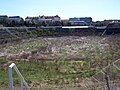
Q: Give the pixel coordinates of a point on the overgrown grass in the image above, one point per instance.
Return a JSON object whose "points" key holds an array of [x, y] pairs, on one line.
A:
{"points": [[97, 53], [64, 72], [49, 71]]}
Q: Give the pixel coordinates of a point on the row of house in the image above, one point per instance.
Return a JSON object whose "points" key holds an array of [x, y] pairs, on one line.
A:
{"points": [[112, 21], [72, 21], [81, 21], [43, 18], [10, 17], [84, 20]]}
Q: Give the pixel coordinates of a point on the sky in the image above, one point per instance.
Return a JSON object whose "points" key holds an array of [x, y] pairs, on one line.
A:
{"points": [[97, 9]]}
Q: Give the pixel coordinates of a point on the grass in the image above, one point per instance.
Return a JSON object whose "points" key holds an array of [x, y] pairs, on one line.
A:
{"points": [[24, 46], [48, 70], [50, 73], [61, 71]]}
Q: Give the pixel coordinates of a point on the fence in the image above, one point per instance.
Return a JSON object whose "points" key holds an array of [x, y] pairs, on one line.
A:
{"points": [[19, 74], [106, 79]]}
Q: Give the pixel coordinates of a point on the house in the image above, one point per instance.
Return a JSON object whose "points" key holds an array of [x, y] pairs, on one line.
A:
{"points": [[80, 21], [3, 16], [3, 20], [31, 18], [111, 21], [44, 18], [15, 18], [87, 20]]}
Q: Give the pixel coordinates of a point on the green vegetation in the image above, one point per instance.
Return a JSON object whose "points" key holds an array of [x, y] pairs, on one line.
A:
{"points": [[69, 59], [64, 72], [48, 70]]}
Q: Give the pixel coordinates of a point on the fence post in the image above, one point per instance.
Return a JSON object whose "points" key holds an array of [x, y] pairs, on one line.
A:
{"points": [[10, 76], [22, 83]]}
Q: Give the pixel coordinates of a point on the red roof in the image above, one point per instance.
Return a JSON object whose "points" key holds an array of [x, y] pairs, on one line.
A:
{"points": [[46, 17]]}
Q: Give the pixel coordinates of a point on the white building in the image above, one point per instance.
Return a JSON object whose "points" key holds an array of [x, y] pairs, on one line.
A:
{"points": [[44, 18], [15, 18]]}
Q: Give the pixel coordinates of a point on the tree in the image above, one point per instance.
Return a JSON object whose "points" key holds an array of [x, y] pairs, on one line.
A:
{"points": [[3, 21], [44, 23]]}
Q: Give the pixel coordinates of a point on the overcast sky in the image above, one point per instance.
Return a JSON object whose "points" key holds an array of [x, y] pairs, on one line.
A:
{"points": [[97, 9]]}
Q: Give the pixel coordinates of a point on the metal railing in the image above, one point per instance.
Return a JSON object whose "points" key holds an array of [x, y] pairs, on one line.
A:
{"points": [[23, 82], [106, 81]]}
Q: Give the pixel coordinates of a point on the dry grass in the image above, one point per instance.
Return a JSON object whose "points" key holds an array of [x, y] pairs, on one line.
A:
{"points": [[60, 60]]}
